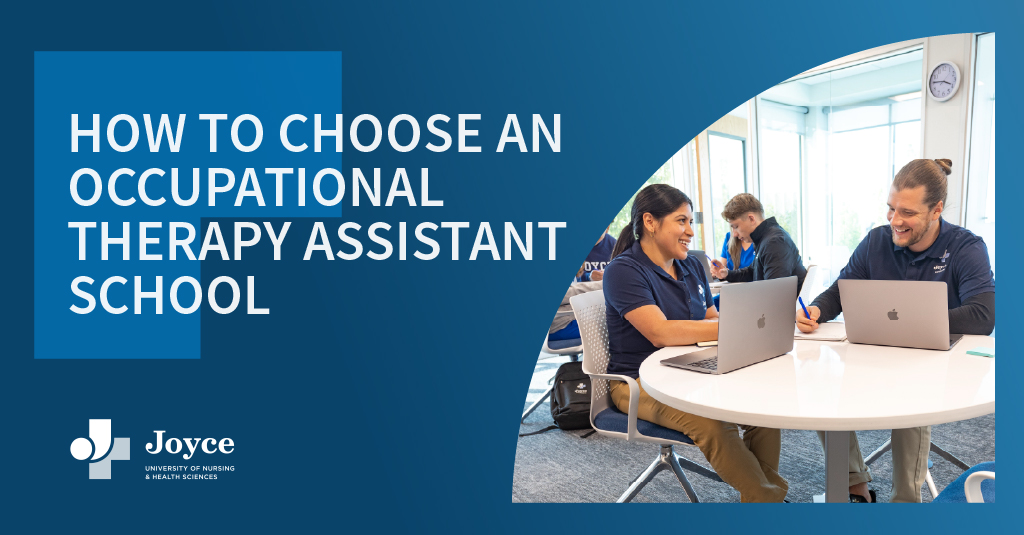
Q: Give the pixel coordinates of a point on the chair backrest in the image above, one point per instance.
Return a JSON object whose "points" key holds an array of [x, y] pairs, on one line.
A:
{"points": [[972, 487], [590, 315], [968, 487], [812, 285], [704, 261]]}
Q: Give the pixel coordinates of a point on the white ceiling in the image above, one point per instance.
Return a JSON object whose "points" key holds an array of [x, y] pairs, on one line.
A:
{"points": [[870, 80]]}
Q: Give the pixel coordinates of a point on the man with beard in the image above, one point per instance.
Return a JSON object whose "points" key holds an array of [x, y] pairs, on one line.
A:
{"points": [[917, 245]]}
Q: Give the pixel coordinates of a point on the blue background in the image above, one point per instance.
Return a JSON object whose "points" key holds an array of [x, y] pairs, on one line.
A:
{"points": [[387, 397], [269, 85]]}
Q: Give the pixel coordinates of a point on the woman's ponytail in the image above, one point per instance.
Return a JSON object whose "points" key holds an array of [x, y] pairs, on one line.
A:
{"points": [[626, 238]]}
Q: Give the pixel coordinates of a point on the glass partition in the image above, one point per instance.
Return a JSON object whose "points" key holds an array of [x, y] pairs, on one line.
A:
{"points": [[980, 215]]}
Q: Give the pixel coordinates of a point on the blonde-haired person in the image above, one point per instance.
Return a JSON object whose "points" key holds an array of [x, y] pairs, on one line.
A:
{"points": [[775, 254], [737, 252], [658, 295], [919, 245]]}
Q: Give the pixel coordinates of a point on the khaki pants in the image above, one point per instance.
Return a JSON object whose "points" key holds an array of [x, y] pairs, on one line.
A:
{"points": [[750, 464], [909, 462]]}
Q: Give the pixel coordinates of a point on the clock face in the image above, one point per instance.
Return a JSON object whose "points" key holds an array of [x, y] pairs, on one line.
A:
{"points": [[944, 81]]}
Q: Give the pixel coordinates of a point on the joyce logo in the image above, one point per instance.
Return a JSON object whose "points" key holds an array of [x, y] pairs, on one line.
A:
{"points": [[760, 322], [99, 449], [174, 445], [892, 315]]}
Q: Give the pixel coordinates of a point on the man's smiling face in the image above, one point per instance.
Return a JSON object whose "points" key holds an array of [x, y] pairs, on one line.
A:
{"points": [[910, 218]]}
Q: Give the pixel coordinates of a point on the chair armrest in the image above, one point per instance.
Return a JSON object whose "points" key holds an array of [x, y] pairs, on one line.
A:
{"points": [[634, 401], [972, 487]]}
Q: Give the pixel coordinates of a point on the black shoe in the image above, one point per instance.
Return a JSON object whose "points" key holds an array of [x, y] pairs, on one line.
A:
{"points": [[857, 498]]}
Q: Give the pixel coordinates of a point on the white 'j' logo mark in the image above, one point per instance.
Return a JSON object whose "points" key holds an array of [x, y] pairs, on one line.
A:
{"points": [[99, 449]]}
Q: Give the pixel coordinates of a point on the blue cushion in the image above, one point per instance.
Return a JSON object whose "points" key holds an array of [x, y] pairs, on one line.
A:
{"points": [[557, 345], [954, 493], [611, 419], [569, 332]]}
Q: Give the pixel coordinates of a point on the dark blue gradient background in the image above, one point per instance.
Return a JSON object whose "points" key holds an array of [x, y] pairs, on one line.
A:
{"points": [[385, 395]]}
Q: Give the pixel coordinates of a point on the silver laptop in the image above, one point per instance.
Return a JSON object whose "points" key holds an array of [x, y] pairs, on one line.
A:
{"points": [[897, 313], [703, 257], [756, 325]]}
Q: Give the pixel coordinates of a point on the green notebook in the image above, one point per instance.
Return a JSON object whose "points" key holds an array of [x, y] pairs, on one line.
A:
{"points": [[983, 352]]}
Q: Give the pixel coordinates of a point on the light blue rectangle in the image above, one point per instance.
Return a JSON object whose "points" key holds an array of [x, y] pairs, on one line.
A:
{"points": [[268, 85]]}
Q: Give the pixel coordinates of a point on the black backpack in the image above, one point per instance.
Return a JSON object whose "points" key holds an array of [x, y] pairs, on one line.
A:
{"points": [[570, 399]]}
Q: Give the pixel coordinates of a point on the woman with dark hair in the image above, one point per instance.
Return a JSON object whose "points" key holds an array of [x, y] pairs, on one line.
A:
{"points": [[658, 296]]}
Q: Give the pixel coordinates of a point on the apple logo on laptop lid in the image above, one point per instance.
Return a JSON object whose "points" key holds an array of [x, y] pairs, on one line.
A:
{"points": [[893, 315]]}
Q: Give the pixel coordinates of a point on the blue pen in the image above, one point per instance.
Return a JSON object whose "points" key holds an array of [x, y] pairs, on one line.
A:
{"points": [[801, 301]]}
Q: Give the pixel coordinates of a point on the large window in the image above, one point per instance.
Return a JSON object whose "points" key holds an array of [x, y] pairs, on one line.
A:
{"points": [[728, 175], [830, 144], [781, 155], [980, 216], [869, 144]]}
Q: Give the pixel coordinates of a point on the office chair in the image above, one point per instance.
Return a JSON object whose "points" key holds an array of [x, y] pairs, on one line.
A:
{"points": [[609, 421], [572, 347], [971, 486], [928, 474], [704, 261]]}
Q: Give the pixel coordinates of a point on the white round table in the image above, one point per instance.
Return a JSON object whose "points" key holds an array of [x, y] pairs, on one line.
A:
{"points": [[835, 387]]}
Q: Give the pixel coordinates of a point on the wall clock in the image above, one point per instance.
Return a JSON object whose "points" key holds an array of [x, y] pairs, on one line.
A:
{"points": [[944, 81]]}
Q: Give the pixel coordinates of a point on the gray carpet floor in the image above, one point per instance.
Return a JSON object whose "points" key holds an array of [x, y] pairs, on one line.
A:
{"points": [[563, 466]]}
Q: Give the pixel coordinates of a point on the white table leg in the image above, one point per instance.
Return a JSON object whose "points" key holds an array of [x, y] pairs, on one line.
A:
{"points": [[837, 466]]}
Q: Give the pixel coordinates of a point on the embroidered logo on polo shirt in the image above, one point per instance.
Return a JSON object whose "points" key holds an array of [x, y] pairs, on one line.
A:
{"points": [[939, 268]]}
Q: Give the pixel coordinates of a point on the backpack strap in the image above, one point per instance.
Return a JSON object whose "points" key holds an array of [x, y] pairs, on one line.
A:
{"points": [[545, 430]]}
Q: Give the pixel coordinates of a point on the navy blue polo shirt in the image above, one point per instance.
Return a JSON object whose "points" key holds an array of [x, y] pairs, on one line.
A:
{"points": [[598, 258], [631, 281], [958, 257]]}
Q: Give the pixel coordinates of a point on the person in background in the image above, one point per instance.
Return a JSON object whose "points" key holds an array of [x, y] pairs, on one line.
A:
{"points": [[737, 253], [588, 279], [600, 255], [775, 254], [916, 245], [657, 295]]}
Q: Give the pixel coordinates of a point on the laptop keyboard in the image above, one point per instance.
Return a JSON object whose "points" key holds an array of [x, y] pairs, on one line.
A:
{"points": [[707, 364]]}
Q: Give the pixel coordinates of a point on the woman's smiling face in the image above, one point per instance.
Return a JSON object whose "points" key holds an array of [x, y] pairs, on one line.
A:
{"points": [[672, 233]]}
